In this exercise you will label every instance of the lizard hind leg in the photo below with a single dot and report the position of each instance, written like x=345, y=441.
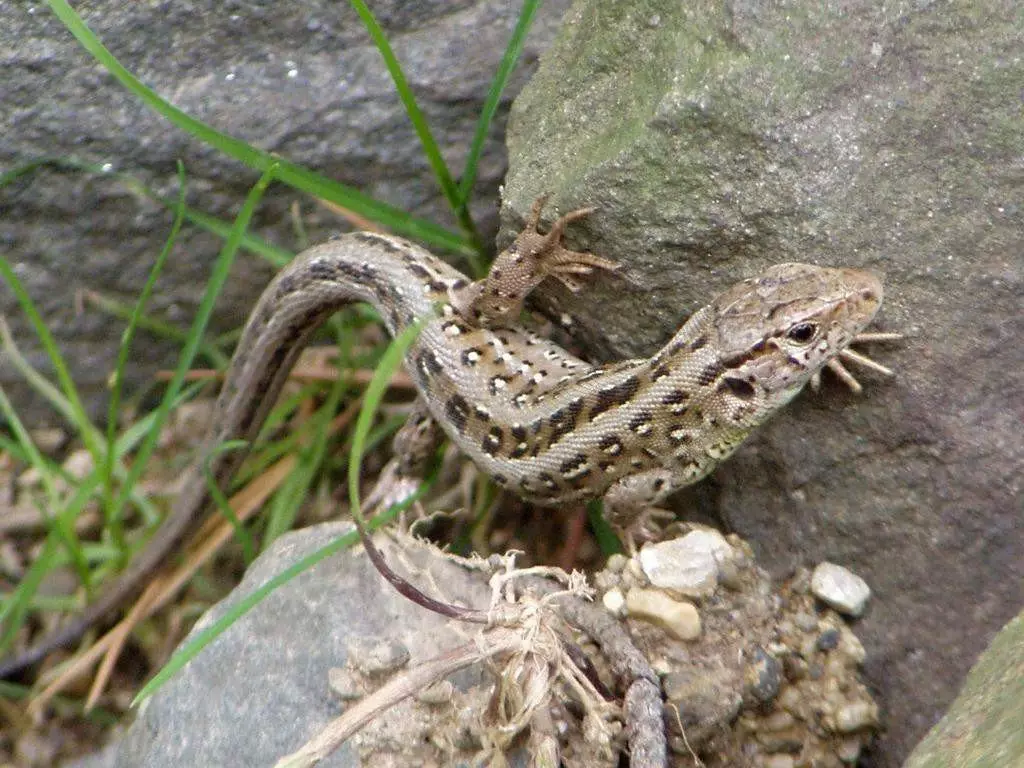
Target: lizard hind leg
x=413, y=446
x=532, y=257
x=630, y=506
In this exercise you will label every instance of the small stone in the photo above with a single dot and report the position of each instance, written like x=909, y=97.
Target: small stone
x=789, y=740
x=614, y=602
x=439, y=693
x=689, y=565
x=794, y=667
x=791, y=700
x=616, y=563
x=344, y=684
x=605, y=580
x=634, y=574
x=678, y=618
x=707, y=700
x=808, y=646
x=852, y=647
x=828, y=640
x=48, y=439
x=848, y=750
x=778, y=761
x=840, y=589
x=856, y=715
x=373, y=656
x=763, y=677
x=778, y=721
x=78, y=464
x=806, y=622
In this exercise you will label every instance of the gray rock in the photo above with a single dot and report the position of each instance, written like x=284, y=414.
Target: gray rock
x=264, y=687
x=340, y=631
x=301, y=80
x=718, y=139
x=982, y=728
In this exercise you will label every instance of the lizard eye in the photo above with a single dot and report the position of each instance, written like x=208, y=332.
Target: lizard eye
x=802, y=332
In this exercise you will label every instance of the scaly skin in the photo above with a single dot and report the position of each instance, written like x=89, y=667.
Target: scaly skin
x=541, y=422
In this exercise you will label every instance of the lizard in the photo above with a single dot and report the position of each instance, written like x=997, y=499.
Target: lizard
x=541, y=422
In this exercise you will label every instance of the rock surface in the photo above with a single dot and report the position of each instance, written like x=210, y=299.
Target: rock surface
x=263, y=687
x=769, y=676
x=301, y=80
x=718, y=139
x=982, y=728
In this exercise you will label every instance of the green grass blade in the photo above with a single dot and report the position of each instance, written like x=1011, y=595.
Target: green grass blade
x=61, y=529
x=218, y=277
x=28, y=448
x=72, y=408
x=389, y=216
x=607, y=541
x=39, y=383
x=419, y=123
x=15, y=607
x=117, y=384
x=483, y=125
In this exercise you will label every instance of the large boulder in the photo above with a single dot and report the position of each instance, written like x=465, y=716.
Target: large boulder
x=716, y=139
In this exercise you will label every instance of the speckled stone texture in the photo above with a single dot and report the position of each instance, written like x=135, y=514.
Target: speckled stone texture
x=301, y=80
x=716, y=139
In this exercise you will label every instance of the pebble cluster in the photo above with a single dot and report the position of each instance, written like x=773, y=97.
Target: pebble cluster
x=752, y=675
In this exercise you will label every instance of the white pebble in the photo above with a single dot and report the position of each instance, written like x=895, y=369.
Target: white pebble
x=840, y=589
x=614, y=601
x=689, y=565
x=856, y=715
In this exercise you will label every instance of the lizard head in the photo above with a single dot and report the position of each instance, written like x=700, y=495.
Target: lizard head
x=779, y=329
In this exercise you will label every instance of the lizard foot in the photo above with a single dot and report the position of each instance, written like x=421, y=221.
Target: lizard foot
x=631, y=506
x=530, y=258
x=641, y=527
x=393, y=486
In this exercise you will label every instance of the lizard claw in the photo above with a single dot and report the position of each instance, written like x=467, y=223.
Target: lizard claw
x=553, y=258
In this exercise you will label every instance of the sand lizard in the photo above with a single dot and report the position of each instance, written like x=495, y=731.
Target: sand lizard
x=542, y=423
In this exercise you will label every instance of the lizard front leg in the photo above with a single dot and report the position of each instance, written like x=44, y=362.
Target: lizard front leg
x=520, y=268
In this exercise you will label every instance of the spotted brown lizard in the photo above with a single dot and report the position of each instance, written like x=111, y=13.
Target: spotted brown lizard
x=539, y=421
